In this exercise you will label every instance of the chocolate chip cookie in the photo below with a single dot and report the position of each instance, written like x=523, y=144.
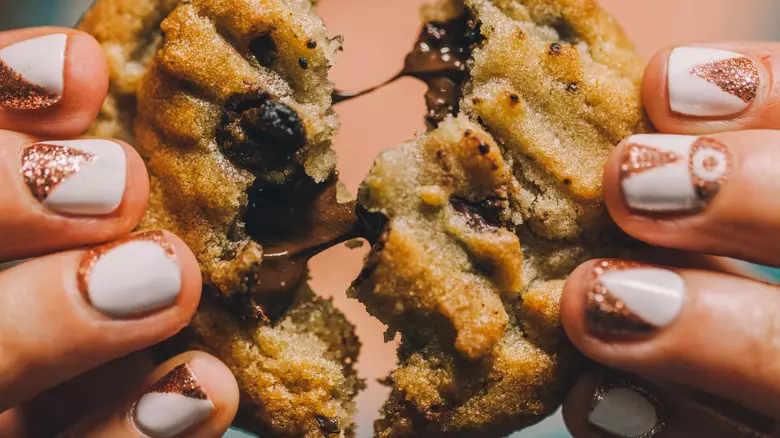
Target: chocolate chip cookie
x=229, y=103
x=485, y=215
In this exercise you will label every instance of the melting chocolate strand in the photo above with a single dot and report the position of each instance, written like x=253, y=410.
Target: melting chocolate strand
x=439, y=58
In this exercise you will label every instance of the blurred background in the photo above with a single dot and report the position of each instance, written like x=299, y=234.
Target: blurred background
x=378, y=33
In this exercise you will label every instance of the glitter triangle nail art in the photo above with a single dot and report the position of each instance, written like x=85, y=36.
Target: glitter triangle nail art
x=640, y=158
x=737, y=76
x=17, y=92
x=45, y=166
x=180, y=381
x=32, y=72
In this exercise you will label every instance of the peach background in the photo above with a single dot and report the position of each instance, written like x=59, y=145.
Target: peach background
x=378, y=33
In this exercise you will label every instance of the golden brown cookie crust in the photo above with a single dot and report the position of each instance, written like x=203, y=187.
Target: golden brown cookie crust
x=551, y=89
x=214, y=90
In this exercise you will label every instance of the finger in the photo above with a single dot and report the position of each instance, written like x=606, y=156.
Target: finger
x=64, y=314
x=191, y=395
x=52, y=81
x=703, y=89
x=711, y=331
x=610, y=404
x=79, y=398
x=714, y=194
x=63, y=194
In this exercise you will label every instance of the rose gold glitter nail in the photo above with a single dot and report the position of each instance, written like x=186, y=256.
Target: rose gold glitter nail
x=181, y=380
x=606, y=313
x=45, y=166
x=18, y=93
x=710, y=165
x=89, y=259
x=640, y=158
x=736, y=76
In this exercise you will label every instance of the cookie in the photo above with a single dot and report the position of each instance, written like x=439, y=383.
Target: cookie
x=230, y=107
x=484, y=216
x=296, y=376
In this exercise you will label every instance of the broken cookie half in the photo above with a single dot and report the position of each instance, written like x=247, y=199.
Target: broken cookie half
x=485, y=215
x=229, y=104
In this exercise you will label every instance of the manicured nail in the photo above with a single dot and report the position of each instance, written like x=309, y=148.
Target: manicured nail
x=629, y=298
x=83, y=177
x=623, y=409
x=710, y=82
x=673, y=173
x=131, y=276
x=173, y=404
x=32, y=72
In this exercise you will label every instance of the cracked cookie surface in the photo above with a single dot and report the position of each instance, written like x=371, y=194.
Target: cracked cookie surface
x=513, y=180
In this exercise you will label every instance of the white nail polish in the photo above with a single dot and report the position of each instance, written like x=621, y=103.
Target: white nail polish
x=709, y=82
x=82, y=177
x=673, y=173
x=32, y=72
x=629, y=297
x=132, y=276
x=625, y=413
x=173, y=404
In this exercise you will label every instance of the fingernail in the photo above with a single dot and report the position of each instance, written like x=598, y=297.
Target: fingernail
x=132, y=276
x=82, y=177
x=708, y=82
x=32, y=72
x=173, y=404
x=629, y=298
x=623, y=409
x=673, y=173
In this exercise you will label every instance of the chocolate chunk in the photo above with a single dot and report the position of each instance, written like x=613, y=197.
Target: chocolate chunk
x=264, y=49
x=573, y=87
x=328, y=425
x=555, y=49
x=257, y=131
x=565, y=31
x=303, y=62
x=311, y=44
x=481, y=215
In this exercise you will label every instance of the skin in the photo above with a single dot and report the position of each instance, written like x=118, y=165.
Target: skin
x=66, y=367
x=725, y=344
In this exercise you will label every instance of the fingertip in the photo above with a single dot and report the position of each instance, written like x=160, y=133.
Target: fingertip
x=136, y=196
x=191, y=280
x=655, y=92
x=572, y=302
x=218, y=382
x=82, y=80
x=86, y=83
x=198, y=374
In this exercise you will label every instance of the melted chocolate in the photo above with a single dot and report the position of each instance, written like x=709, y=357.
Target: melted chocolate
x=298, y=219
x=439, y=58
x=293, y=222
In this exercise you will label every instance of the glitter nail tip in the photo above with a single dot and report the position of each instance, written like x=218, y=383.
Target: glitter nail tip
x=673, y=173
x=707, y=82
x=32, y=72
x=131, y=277
x=81, y=177
x=172, y=405
x=625, y=413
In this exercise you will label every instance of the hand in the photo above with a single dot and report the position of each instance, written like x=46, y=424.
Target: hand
x=713, y=188
x=75, y=319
